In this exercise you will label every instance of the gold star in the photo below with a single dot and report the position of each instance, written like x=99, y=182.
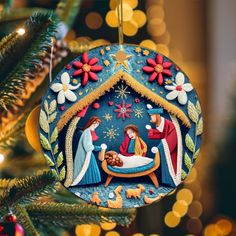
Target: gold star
x=107, y=116
x=121, y=59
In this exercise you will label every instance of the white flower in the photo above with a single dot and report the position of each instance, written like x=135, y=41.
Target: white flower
x=149, y=106
x=179, y=89
x=64, y=89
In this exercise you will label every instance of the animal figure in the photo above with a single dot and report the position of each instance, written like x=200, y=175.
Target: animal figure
x=95, y=199
x=117, y=203
x=135, y=193
x=149, y=200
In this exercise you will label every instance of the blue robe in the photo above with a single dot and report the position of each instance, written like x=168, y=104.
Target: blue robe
x=86, y=170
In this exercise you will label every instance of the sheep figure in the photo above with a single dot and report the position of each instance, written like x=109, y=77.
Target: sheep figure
x=135, y=193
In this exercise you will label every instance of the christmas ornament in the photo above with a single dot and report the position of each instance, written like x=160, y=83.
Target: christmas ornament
x=121, y=128
x=121, y=135
x=10, y=227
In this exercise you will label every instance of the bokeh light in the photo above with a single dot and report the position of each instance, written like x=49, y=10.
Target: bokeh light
x=180, y=208
x=186, y=195
x=223, y=227
x=195, y=209
x=132, y=19
x=20, y=31
x=108, y=225
x=87, y=230
x=93, y=20
x=171, y=219
x=1, y=158
x=112, y=233
x=194, y=226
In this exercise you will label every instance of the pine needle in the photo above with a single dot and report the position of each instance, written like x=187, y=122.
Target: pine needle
x=30, y=188
x=21, y=55
x=65, y=215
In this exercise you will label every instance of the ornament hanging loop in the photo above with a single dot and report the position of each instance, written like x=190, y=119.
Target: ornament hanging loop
x=120, y=21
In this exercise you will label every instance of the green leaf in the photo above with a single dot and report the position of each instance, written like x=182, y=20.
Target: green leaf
x=189, y=143
x=183, y=174
x=196, y=154
x=52, y=106
x=199, y=128
x=55, y=149
x=49, y=161
x=54, y=172
x=46, y=108
x=198, y=108
x=187, y=161
x=52, y=117
x=45, y=144
x=43, y=121
x=60, y=159
x=192, y=112
x=54, y=135
x=62, y=174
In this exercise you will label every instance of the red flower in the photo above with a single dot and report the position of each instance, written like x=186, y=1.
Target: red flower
x=137, y=100
x=123, y=110
x=158, y=68
x=87, y=67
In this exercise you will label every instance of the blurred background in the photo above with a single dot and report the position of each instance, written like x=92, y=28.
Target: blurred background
x=199, y=36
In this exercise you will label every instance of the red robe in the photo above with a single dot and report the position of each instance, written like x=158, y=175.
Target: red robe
x=169, y=133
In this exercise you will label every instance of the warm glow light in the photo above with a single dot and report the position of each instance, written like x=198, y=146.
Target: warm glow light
x=223, y=227
x=112, y=19
x=180, y=208
x=108, y=225
x=127, y=12
x=20, y=31
x=210, y=230
x=139, y=17
x=130, y=28
x=186, y=195
x=112, y=233
x=195, y=209
x=148, y=44
x=93, y=20
x=87, y=230
x=1, y=158
x=194, y=226
x=171, y=219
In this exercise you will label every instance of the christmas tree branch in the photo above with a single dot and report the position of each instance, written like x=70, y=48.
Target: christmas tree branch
x=63, y=214
x=67, y=11
x=25, y=221
x=28, y=189
x=21, y=56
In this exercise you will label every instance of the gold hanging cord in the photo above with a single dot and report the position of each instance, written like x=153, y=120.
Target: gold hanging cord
x=120, y=20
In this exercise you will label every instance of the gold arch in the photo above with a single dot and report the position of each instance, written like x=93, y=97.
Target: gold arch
x=134, y=84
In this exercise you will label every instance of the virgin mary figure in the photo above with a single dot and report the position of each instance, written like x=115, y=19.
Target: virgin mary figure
x=86, y=170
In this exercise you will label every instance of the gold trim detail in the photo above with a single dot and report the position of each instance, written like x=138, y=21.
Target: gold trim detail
x=134, y=84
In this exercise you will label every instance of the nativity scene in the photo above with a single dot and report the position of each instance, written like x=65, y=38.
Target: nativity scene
x=123, y=135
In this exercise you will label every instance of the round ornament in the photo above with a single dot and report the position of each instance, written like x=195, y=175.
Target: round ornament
x=121, y=125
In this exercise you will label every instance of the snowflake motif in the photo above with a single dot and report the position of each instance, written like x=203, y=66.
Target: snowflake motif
x=138, y=112
x=107, y=116
x=87, y=67
x=122, y=91
x=123, y=110
x=111, y=133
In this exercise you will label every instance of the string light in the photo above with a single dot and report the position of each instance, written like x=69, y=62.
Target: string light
x=20, y=31
x=2, y=158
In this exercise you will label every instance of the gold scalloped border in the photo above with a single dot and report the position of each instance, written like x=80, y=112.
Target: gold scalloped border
x=134, y=84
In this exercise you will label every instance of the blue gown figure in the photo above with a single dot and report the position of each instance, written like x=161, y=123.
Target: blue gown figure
x=86, y=170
